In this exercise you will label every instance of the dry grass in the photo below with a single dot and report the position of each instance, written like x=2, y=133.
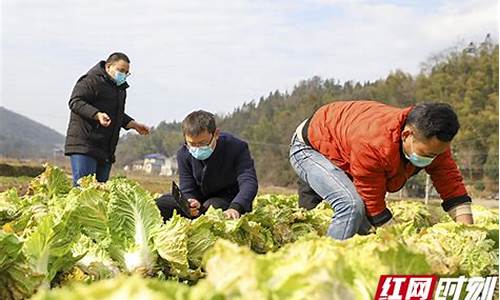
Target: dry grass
x=20, y=183
x=154, y=184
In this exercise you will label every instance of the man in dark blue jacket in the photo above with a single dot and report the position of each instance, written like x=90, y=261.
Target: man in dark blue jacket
x=215, y=169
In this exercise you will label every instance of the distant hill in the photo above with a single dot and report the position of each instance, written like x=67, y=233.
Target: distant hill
x=21, y=137
x=467, y=79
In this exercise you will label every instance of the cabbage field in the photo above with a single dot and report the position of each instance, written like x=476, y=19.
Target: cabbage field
x=108, y=241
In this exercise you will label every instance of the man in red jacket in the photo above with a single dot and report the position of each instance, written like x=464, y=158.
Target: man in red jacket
x=351, y=153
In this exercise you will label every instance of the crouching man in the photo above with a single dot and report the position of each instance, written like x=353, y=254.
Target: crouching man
x=350, y=153
x=215, y=169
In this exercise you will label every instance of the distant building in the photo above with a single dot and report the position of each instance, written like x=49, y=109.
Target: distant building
x=169, y=168
x=153, y=163
x=135, y=166
x=138, y=165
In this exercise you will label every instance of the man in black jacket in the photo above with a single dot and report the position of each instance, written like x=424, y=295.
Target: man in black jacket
x=97, y=106
x=215, y=169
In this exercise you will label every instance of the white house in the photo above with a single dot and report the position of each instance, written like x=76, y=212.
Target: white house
x=135, y=166
x=153, y=163
x=169, y=168
x=156, y=163
x=138, y=165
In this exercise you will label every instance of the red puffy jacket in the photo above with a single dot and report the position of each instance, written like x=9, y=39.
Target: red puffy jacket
x=364, y=139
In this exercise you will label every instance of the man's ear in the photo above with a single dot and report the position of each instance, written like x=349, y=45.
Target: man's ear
x=217, y=132
x=407, y=131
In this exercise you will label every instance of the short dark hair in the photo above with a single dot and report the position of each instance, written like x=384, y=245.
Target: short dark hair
x=434, y=119
x=117, y=56
x=198, y=122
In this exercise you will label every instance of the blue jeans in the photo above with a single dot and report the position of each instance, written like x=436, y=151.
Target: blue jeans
x=332, y=184
x=83, y=165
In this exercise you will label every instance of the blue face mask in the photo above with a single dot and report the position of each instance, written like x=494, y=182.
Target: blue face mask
x=201, y=153
x=418, y=160
x=120, y=78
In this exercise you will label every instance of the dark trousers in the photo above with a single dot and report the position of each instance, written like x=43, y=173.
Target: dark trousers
x=166, y=204
x=83, y=165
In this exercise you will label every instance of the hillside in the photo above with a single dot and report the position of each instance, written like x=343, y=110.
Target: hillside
x=21, y=137
x=468, y=80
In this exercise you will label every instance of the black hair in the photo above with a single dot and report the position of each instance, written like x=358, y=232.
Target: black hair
x=434, y=120
x=117, y=56
x=198, y=122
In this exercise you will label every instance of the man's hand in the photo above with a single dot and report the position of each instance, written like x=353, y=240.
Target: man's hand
x=194, y=206
x=103, y=119
x=462, y=213
x=465, y=219
x=231, y=213
x=139, y=127
x=142, y=129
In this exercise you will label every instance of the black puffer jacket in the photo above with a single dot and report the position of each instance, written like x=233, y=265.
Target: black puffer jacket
x=96, y=92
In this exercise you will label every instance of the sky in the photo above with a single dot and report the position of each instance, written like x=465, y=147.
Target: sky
x=216, y=55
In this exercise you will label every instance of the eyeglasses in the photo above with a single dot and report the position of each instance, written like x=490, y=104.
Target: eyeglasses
x=200, y=145
x=126, y=73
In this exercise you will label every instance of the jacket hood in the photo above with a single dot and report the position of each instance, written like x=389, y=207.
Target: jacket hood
x=99, y=70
